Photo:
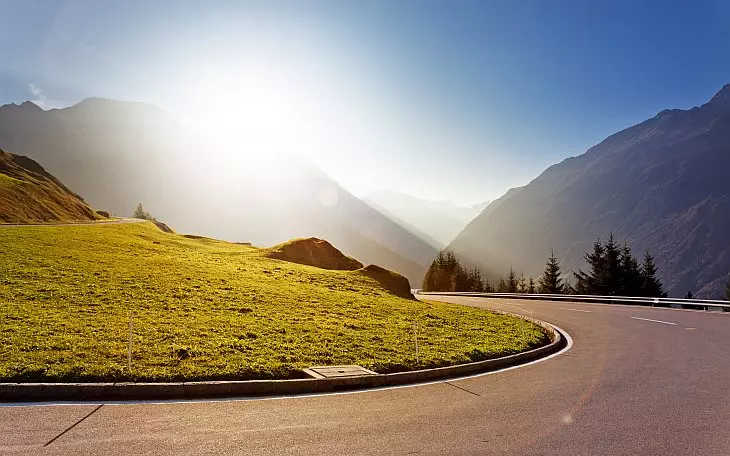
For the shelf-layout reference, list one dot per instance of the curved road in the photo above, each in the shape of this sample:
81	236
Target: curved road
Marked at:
637	381
115	221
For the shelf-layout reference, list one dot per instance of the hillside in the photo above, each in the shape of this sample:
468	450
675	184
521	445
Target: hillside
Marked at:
208	309
119	154
436	222
662	185
29	194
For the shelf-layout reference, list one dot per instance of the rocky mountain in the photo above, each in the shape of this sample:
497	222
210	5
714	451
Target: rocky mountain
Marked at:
661	185
436	222
29	194
119	154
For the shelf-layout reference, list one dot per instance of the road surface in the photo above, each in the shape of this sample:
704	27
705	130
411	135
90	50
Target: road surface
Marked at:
118	221
637	381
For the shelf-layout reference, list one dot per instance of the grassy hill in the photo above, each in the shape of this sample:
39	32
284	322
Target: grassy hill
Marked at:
207	309
28	194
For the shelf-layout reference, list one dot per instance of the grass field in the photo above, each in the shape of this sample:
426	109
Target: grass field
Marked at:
206	309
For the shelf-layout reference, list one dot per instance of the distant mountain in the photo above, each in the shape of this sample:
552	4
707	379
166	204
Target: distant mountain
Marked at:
662	185
118	154
28	194
437	222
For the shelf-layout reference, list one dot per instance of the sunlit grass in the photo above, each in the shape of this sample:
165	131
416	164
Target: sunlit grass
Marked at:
206	309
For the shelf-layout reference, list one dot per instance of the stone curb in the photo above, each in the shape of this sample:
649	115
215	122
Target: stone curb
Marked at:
27	392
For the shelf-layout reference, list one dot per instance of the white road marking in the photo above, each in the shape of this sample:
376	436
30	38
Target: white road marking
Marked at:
655	321
576	310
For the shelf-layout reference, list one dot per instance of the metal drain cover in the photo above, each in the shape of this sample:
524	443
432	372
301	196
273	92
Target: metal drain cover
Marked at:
338	371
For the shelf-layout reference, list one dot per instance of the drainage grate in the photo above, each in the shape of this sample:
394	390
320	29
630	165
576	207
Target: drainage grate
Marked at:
338	371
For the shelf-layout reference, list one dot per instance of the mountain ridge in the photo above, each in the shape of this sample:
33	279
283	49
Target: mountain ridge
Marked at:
119	154
661	185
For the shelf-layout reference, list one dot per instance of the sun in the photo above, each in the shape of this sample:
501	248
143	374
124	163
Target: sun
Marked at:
257	112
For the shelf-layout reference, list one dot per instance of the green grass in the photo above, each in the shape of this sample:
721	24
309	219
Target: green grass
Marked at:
206	309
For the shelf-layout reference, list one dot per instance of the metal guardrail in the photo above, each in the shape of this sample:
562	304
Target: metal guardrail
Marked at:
703	304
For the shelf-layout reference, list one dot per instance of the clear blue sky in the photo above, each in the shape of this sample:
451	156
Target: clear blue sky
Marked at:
445	100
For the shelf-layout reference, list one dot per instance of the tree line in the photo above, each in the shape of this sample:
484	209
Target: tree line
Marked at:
612	270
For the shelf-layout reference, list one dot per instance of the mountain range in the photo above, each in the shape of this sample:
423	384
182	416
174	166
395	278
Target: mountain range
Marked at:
118	154
662	185
437	222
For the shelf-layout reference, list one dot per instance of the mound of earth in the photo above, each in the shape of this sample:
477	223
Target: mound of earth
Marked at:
29	194
163	227
391	281
313	252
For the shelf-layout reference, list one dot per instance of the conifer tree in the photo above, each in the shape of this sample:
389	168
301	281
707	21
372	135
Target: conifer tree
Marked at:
531	286
476	283
613	272
502	285
631	280
727	290
652	287
487	286
139	213
593	282
522	284
429	280
512	281
550	282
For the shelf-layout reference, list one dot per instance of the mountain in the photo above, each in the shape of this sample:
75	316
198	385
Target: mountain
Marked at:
436	222
119	154
28	194
661	185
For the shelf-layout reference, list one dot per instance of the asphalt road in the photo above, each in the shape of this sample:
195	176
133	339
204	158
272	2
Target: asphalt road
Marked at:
118	221
637	381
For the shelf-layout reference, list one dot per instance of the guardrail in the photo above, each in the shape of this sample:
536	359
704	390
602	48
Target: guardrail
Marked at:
700	304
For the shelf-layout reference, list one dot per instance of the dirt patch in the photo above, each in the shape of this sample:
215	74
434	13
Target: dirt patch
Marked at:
391	281
313	252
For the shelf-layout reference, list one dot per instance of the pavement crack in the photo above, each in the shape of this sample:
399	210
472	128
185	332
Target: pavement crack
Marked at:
73	425
463	389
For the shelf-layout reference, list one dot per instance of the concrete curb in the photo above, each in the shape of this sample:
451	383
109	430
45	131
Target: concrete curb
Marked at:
27	392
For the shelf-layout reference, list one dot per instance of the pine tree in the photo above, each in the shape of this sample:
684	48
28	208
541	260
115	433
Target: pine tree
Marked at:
487	286
476	283
522	284
512	281
727	290
550	282
531	286
631	282
429	280
594	282
139	213
613	272
568	288
502	285
460	280
443	275
652	287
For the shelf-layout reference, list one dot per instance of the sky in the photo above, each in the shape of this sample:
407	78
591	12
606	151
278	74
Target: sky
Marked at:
445	100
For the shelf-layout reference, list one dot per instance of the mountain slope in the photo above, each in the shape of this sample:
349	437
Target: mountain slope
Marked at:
662	185
119	154
28	194
436	222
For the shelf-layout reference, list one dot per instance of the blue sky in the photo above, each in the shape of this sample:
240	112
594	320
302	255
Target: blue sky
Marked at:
444	100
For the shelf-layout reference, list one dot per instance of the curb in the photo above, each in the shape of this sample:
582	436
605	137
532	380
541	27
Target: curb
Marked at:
30	392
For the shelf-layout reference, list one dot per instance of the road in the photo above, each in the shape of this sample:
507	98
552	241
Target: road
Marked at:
118	221
637	381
